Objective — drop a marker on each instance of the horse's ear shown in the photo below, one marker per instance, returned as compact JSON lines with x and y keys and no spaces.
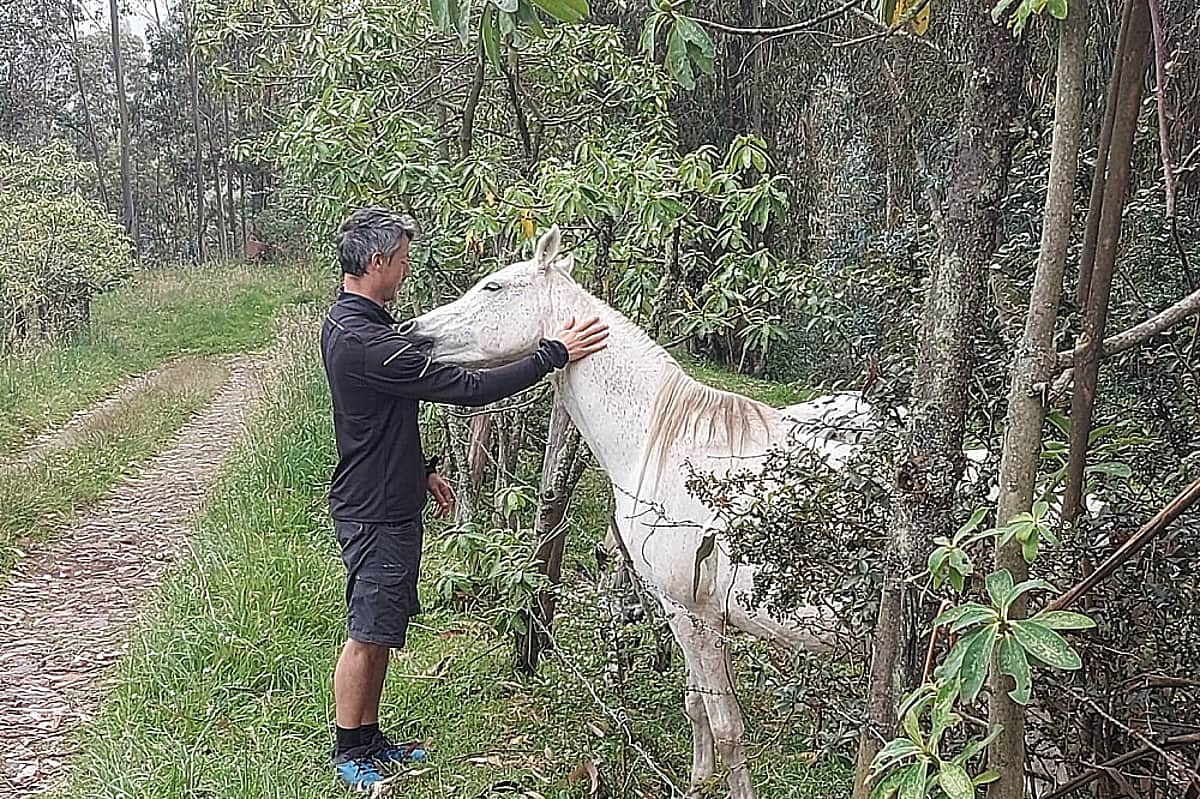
{"x":547,"y":247}
{"x":566,"y":263}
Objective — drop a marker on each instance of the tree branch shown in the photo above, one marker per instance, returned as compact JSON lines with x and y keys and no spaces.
{"x":1143,"y":331}
{"x":1091,"y":775}
{"x":795,"y":27}
{"x":1159,"y":522}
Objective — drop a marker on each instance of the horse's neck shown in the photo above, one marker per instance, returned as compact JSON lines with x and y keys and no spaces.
{"x":610,"y":397}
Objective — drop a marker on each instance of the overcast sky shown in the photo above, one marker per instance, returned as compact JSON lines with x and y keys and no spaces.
{"x":139,"y":14}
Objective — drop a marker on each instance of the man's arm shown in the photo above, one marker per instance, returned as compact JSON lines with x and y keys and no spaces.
{"x":394,"y":366}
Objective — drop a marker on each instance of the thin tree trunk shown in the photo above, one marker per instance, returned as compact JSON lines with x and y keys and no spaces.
{"x":231,"y":209}
{"x":198,"y":152}
{"x":1033,"y":369}
{"x":215,"y":156}
{"x":466,"y":137}
{"x":1088,"y":353}
{"x":560,"y":474}
{"x":931,"y":461}
{"x":123,"y":117}
{"x":89,"y":127}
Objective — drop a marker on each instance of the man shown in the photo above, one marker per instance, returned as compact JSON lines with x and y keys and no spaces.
{"x":380,"y":485}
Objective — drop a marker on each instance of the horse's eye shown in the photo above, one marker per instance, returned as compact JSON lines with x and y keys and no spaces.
{"x":491,"y":286}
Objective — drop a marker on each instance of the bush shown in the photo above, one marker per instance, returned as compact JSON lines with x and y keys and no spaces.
{"x":58,"y":249}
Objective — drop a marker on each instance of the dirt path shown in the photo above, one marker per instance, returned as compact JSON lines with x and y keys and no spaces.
{"x":65,"y":610}
{"x":62,"y":436}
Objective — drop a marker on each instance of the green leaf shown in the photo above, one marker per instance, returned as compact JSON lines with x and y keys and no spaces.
{"x":529,"y":19}
{"x":887,"y":787}
{"x":912,"y":786}
{"x":971,"y":523}
{"x":1111,"y":468}
{"x":489,"y":34}
{"x":943,"y":715}
{"x":507,"y":6}
{"x":977,"y":746}
{"x":912,"y":727}
{"x":1046,"y":645}
{"x":700,"y":46}
{"x":998,"y":585}
{"x":707,"y":545}
{"x":1039,"y":509}
{"x":1029,"y":549}
{"x":936,"y":558}
{"x":1011,"y":660}
{"x":1023,"y":587}
{"x":564,"y":10}
{"x":650,"y":35}
{"x":976,"y":661}
{"x":986,"y":778}
{"x":952,"y":615}
{"x":678,"y":65}
{"x":440,"y":11}
{"x":956,"y":782}
{"x":1063,"y":620}
{"x":957,"y":580}
{"x":893,"y":752}
{"x":952,"y":665}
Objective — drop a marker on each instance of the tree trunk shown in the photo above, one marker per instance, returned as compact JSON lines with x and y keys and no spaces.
{"x":230,"y":207}
{"x":931,"y":461}
{"x":123,"y":117}
{"x":560,"y":473}
{"x":198,"y":152}
{"x":1132,"y":60}
{"x":1033,"y":369}
{"x":89,"y":127}
{"x":215,"y":156}
{"x":458,"y":435}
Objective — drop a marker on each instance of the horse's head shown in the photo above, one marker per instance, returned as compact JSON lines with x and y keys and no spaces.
{"x":504,"y":315}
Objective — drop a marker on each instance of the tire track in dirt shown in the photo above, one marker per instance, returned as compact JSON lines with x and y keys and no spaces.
{"x":66,"y":609}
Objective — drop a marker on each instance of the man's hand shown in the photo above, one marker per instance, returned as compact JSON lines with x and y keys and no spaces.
{"x":442,"y":495}
{"x":583,"y":338}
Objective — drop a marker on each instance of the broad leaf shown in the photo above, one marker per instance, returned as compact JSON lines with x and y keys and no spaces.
{"x":888,"y":786}
{"x":678,"y":65}
{"x":1011,"y":660}
{"x":529,"y":18}
{"x":971,"y":523}
{"x":893,"y":752}
{"x":489,"y":33}
{"x":564,"y":10}
{"x":1046,"y":645}
{"x":976,"y":661}
{"x":912,"y":786}
{"x":1063,"y":620}
{"x":1023,"y":587}
{"x":975,"y":747}
{"x":507,"y":6}
{"x":956,"y":782}
{"x":955,"y":613}
{"x":440,"y":11}
{"x":998,"y":585}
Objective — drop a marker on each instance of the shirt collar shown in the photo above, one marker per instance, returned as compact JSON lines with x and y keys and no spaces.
{"x":371,"y":309}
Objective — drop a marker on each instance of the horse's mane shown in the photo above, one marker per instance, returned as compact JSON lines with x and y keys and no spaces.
{"x":685,"y":407}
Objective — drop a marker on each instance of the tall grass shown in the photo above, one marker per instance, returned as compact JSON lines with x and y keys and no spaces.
{"x":42,"y":495}
{"x":158,"y":315}
{"x":226,"y":689}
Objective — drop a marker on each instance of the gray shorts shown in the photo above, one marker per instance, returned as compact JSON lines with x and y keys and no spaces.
{"x":383,"y":562}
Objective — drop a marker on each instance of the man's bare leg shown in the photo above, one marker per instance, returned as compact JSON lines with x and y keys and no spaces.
{"x":358,"y":684}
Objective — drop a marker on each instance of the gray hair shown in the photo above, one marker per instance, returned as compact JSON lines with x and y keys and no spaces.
{"x":372,"y":230}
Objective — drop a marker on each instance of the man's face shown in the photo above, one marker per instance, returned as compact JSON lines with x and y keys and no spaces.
{"x":391,"y":272}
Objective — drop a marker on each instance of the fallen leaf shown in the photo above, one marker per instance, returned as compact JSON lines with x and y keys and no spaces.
{"x":487,"y":760}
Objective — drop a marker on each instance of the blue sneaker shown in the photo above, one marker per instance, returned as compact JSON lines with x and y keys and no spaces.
{"x":385,"y":753}
{"x":356,"y":771}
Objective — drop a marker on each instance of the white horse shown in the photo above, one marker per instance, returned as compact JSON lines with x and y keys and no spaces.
{"x":648,"y":423}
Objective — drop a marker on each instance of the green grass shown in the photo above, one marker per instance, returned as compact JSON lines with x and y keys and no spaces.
{"x":158,"y":315}
{"x":777,"y":395}
{"x":226,"y":689}
{"x":44,"y":494}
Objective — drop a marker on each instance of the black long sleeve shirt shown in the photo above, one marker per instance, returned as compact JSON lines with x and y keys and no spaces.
{"x":376,"y":379}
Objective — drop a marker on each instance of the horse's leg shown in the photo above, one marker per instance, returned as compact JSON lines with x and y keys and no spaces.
{"x":703,"y":756}
{"x":724,"y":713}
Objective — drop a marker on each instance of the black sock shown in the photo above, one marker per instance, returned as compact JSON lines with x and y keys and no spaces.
{"x":369,"y":731}
{"x":347,"y":740}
